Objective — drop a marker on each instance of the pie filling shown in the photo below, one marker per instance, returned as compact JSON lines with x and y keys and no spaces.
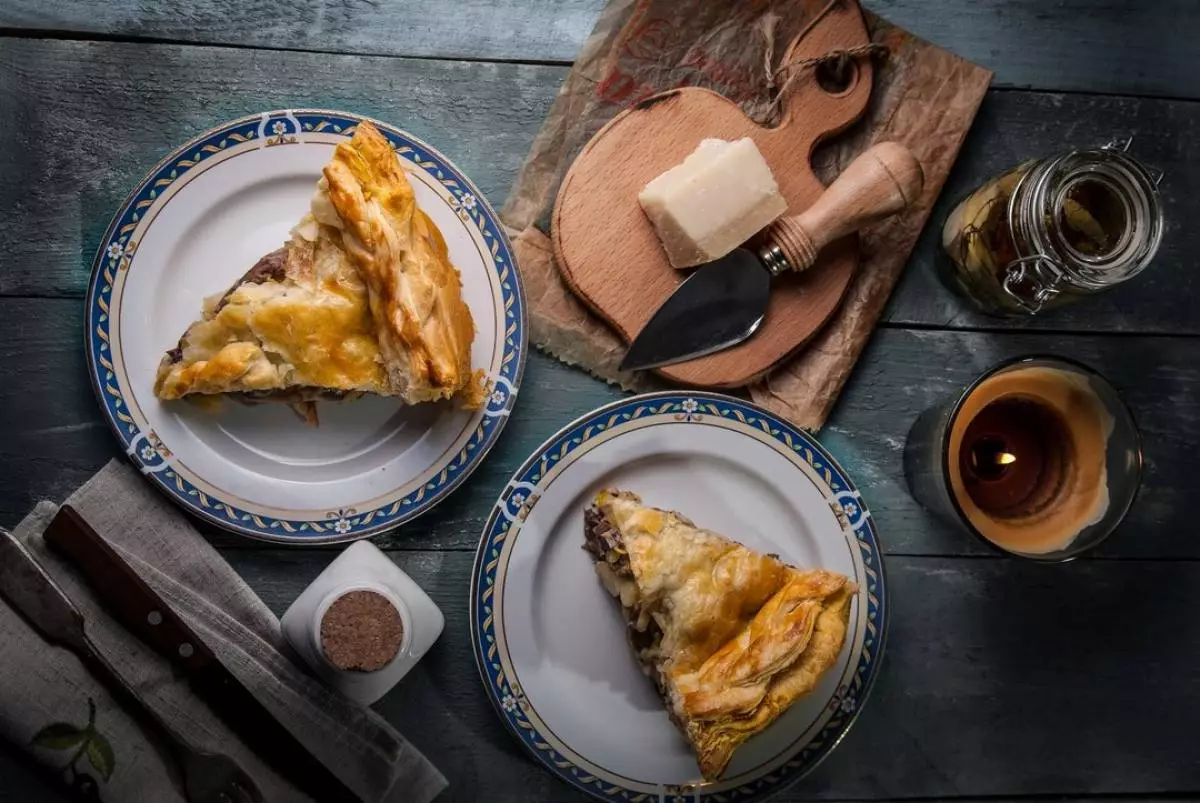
{"x":295,"y":395}
{"x":362,"y":298}
{"x":603,"y":542}
{"x":730,"y":636}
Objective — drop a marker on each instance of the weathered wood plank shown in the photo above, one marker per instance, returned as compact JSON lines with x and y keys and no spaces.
{"x":505,"y":30}
{"x":20,"y":780}
{"x":74,"y":148}
{"x":1072,"y":45}
{"x":904,"y":372}
{"x":83,"y":121}
{"x":61,"y":440}
{"x":1001,"y":679}
{"x":1078,"y":45}
{"x":1013,"y":127}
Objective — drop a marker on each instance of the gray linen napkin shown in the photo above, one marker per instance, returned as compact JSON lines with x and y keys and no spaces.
{"x":52,"y":707}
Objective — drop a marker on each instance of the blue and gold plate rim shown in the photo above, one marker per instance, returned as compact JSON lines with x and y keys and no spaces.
{"x":522,"y":492}
{"x":117,"y":252}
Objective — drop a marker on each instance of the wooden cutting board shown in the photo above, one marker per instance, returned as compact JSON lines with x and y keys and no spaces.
{"x":609,"y":253}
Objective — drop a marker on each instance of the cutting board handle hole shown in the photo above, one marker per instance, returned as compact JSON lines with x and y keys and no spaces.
{"x":837,"y":77}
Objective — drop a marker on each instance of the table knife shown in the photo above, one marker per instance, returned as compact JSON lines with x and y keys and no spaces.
{"x":724,"y":302}
{"x":140,"y":610}
{"x":32,"y":592}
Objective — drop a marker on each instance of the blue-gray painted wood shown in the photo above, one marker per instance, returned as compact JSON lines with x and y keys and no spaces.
{"x":1111,"y":46}
{"x":1013,"y":127}
{"x":1000,"y":679}
{"x":75,"y":148}
{"x":511,"y":30}
{"x":82,"y":122}
{"x":62,"y":439}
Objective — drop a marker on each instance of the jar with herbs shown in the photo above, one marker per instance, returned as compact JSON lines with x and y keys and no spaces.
{"x":1052,"y":230}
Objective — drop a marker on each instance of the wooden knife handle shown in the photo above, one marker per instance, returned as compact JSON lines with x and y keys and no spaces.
{"x":136,"y":606}
{"x":119,"y":588}
{"x":883,"y":180}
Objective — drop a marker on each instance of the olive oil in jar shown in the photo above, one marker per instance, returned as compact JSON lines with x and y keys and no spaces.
{"x":1051,"y":230}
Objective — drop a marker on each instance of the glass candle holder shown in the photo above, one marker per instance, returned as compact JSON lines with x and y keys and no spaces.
{"x":1039,"y":457}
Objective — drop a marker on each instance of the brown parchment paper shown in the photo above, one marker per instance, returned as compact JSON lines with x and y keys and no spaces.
{"x":924,"y":97}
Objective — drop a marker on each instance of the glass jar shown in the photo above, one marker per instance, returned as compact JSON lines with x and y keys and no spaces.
{"x":1052,"y":230}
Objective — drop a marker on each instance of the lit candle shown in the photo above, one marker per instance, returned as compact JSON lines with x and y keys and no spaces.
{"x":1022,"y":458}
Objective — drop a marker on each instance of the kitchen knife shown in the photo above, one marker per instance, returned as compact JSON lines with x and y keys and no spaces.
{"x":725,"y":302}
{"x":140,"y":610}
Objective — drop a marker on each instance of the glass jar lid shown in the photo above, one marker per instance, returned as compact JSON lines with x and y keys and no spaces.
{"x":1082,"y":222}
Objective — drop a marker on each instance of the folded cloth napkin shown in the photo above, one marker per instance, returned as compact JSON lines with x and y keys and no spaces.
{"x":65,"y":718}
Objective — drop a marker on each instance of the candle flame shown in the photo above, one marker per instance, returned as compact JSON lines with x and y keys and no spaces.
{"x":1006,"y":458}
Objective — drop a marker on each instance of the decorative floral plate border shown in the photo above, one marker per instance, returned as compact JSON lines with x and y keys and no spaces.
{"x":524,"y":490}
{"x":117,"y":252}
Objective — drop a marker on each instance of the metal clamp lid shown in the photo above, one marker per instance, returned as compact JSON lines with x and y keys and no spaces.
{"x":1040,"y":274}
{"x":1045,"y":270}
{"x":1156,"y":174}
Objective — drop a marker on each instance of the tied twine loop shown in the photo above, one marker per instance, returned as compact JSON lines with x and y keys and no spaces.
{"x":840,"y":60}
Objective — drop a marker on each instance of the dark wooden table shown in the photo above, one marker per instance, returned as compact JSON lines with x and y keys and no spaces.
{"x":1001,"y":679}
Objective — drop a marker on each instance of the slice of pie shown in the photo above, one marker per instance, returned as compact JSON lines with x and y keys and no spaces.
{"x":361,"y":299}
{"x":730,"y":636}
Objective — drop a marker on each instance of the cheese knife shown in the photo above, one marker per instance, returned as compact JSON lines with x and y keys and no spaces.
{"x":139,"y":609}
{"x":725,"y":302}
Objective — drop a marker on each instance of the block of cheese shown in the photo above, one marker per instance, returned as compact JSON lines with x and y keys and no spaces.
{"x":720,"y":196}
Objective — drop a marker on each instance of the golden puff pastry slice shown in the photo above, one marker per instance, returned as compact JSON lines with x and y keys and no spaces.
{"x":730,"y":636}
{"x":361,"y":299}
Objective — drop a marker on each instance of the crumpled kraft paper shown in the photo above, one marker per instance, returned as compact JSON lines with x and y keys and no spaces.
{"x":924,"y":97}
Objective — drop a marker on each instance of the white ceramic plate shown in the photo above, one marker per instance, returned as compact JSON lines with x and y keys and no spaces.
{"x":551,"y":643}
{"x":197,"y":222}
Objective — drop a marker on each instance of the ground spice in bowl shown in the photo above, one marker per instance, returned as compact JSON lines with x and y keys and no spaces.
{"x":361,"y":631}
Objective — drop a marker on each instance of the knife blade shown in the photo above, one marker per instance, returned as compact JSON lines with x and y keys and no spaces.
{"x":725,"y":302}
{"x":716,"y":307}
{"x":141,"y":611}
{"x":34,"y":594}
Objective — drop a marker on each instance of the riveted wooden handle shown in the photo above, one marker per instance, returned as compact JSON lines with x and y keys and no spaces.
{"x":123,"y":592}
{"x":882,"y":181}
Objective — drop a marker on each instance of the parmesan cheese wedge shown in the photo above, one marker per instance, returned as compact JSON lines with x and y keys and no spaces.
{"x":719,"y":197}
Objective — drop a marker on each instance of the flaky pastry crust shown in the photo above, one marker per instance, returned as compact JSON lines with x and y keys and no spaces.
{"x":362,"y":299}
{"x":737,"y":636}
